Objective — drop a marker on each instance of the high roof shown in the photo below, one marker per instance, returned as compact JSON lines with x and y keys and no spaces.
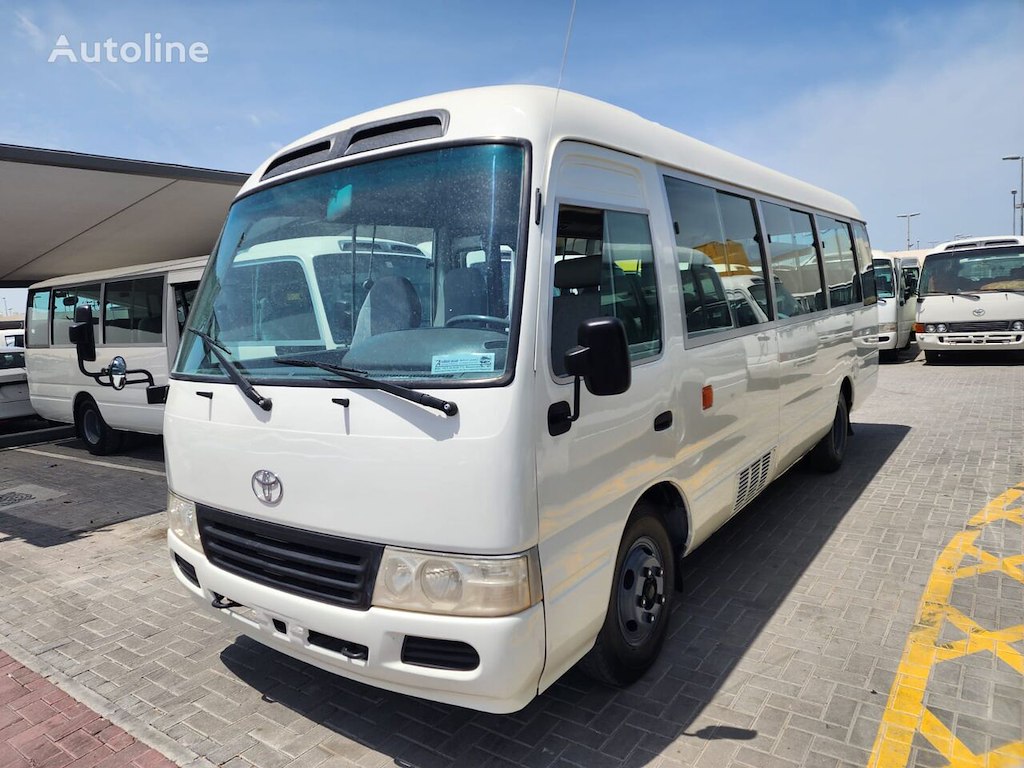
{"x":546,"y":116}
{"x":66,"y":212}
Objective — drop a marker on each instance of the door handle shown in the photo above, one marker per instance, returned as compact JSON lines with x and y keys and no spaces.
{"x":663,"y":421}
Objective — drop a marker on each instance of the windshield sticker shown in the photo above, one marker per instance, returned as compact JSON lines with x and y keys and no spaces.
{"x":462,"y":363}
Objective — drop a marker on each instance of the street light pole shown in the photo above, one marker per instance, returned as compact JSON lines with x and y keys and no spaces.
{"x":1021,"y":159}
{"x":1013,"y":212}
{"x":908,"y":217}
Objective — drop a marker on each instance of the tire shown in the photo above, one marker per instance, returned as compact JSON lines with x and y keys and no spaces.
{"x":638,"y":614}
{"x":97,"y":435}
{"x":827,"y":455}
{"x":932,"y":356}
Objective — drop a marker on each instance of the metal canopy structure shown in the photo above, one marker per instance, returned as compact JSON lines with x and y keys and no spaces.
{"x":63,"y":212}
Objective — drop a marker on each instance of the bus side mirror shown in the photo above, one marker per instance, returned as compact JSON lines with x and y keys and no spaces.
{"x":602,"y":357}
{"x":82,"y":335}
{"x":601,"y":360}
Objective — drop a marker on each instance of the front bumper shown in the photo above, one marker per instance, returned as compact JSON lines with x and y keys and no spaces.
{"x":951,"y":342}
{"x":511,"y":648}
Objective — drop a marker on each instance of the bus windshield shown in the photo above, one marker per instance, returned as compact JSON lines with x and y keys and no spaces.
{"x":885,"y":280}
{"x":401,"y":268}
{"x":973,"y":271}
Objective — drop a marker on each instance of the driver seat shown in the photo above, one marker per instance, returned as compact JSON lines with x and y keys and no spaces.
{"x":465,"y":293}
{"x":391,"y":305}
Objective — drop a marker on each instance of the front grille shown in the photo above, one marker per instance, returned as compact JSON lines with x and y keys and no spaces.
{"x":982,"y":325}
{"x":314,"y":565}
{"x":439,"y":654}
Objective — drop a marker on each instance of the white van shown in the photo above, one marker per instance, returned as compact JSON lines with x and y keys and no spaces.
{"x":458,"y":476}
{"x":136,"y":316}
{"x":971,"y":297}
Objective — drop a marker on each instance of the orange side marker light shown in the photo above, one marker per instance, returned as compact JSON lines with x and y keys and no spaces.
{"x":707,"y":396}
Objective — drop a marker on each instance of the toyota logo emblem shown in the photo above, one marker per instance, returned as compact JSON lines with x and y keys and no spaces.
{"x":267,"y":486}
{"x":978,"y":312}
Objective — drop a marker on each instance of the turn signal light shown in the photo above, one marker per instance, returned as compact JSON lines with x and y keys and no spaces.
{"x":918,"y":327}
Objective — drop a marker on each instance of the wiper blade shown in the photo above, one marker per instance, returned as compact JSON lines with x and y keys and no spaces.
{"x":217,"y":349}
{"x":447,"y":407}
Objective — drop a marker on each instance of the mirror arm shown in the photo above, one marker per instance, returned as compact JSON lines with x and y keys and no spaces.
{"x":97,"y":376}
{"x":575,"y":399}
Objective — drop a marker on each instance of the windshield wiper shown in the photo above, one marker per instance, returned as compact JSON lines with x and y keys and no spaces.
{"x":215,"y":348}
{"x":965,"y":294}
{"x":447,"y":407}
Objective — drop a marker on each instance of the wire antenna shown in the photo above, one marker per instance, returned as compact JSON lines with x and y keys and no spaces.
{"x":558,"y":86}
{"x":565,"y":50}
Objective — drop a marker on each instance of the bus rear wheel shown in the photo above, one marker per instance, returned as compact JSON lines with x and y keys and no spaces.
{"x":97,"y":435}
{"x":640,"y":603}
{"x":827,"y":455}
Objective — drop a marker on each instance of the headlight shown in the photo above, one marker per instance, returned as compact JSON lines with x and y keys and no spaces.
{"x":887,"y":327}
{"x":930,"y":328}
{"x":1018,"y":325}
{"x":457,"y":585}
{"x":181,"y":519}
{"x":940,"y":328}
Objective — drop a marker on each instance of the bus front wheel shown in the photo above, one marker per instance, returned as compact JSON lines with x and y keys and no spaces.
{"x":97,"y":435}
{"x":640,"y":603}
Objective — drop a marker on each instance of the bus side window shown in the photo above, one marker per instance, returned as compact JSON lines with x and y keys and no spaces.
{"x":604,"y":267}
{"x":37,"y":322}
{"x":795,"y":258}
{"x":184,"y":295}
{"x":719,"y":255}
{"x":867,"y":272}
{"x":66,"y":301}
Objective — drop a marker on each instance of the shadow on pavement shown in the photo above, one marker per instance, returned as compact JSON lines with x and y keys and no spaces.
{"x":978,"y":357}
{"x":734,"y":585}
{"x":46,"y":500}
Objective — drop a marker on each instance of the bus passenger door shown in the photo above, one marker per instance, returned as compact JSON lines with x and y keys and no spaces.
{"x":588,"y":469}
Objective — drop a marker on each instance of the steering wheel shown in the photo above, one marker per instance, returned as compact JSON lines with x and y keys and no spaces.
{"x":488,"y":321}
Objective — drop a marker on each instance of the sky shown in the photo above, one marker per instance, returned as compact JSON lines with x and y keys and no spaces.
{"x":900,"y":107}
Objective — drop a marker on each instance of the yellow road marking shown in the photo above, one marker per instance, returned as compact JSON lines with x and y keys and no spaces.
{"x":906,"y":713}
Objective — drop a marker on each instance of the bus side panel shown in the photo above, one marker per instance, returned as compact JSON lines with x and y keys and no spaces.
{"x":49,"y":394}
{"x":807,"y":404}
{"x":127,"y":409}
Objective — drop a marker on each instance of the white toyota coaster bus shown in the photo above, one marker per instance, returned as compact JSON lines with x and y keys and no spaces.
{"x":895,"y":285}
{"x":544,"y":350}
{"x":971,"y":297}
{"x":136,"y":316}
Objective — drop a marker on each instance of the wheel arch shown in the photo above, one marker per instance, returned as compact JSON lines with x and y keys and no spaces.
{"x":81,"y":399}
{"x":668,"y":499}
{"x":846,"y":389}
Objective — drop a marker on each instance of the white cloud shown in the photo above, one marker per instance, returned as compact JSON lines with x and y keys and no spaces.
{"x":35,"y":36}
{"x":927,"y":135}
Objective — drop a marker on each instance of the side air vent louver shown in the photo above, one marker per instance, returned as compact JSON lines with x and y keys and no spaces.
{"x":753,"y":479}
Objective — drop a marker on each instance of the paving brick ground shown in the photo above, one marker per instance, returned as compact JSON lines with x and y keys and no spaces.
{"x":41,"y":726}
{"x":783,"y":650}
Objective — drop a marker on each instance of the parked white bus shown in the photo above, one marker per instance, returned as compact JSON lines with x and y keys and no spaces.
{"x":483,"y":461}
{"x":138,"y":314}
{"x":895,"y":308}
{"x":971,"y":297}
